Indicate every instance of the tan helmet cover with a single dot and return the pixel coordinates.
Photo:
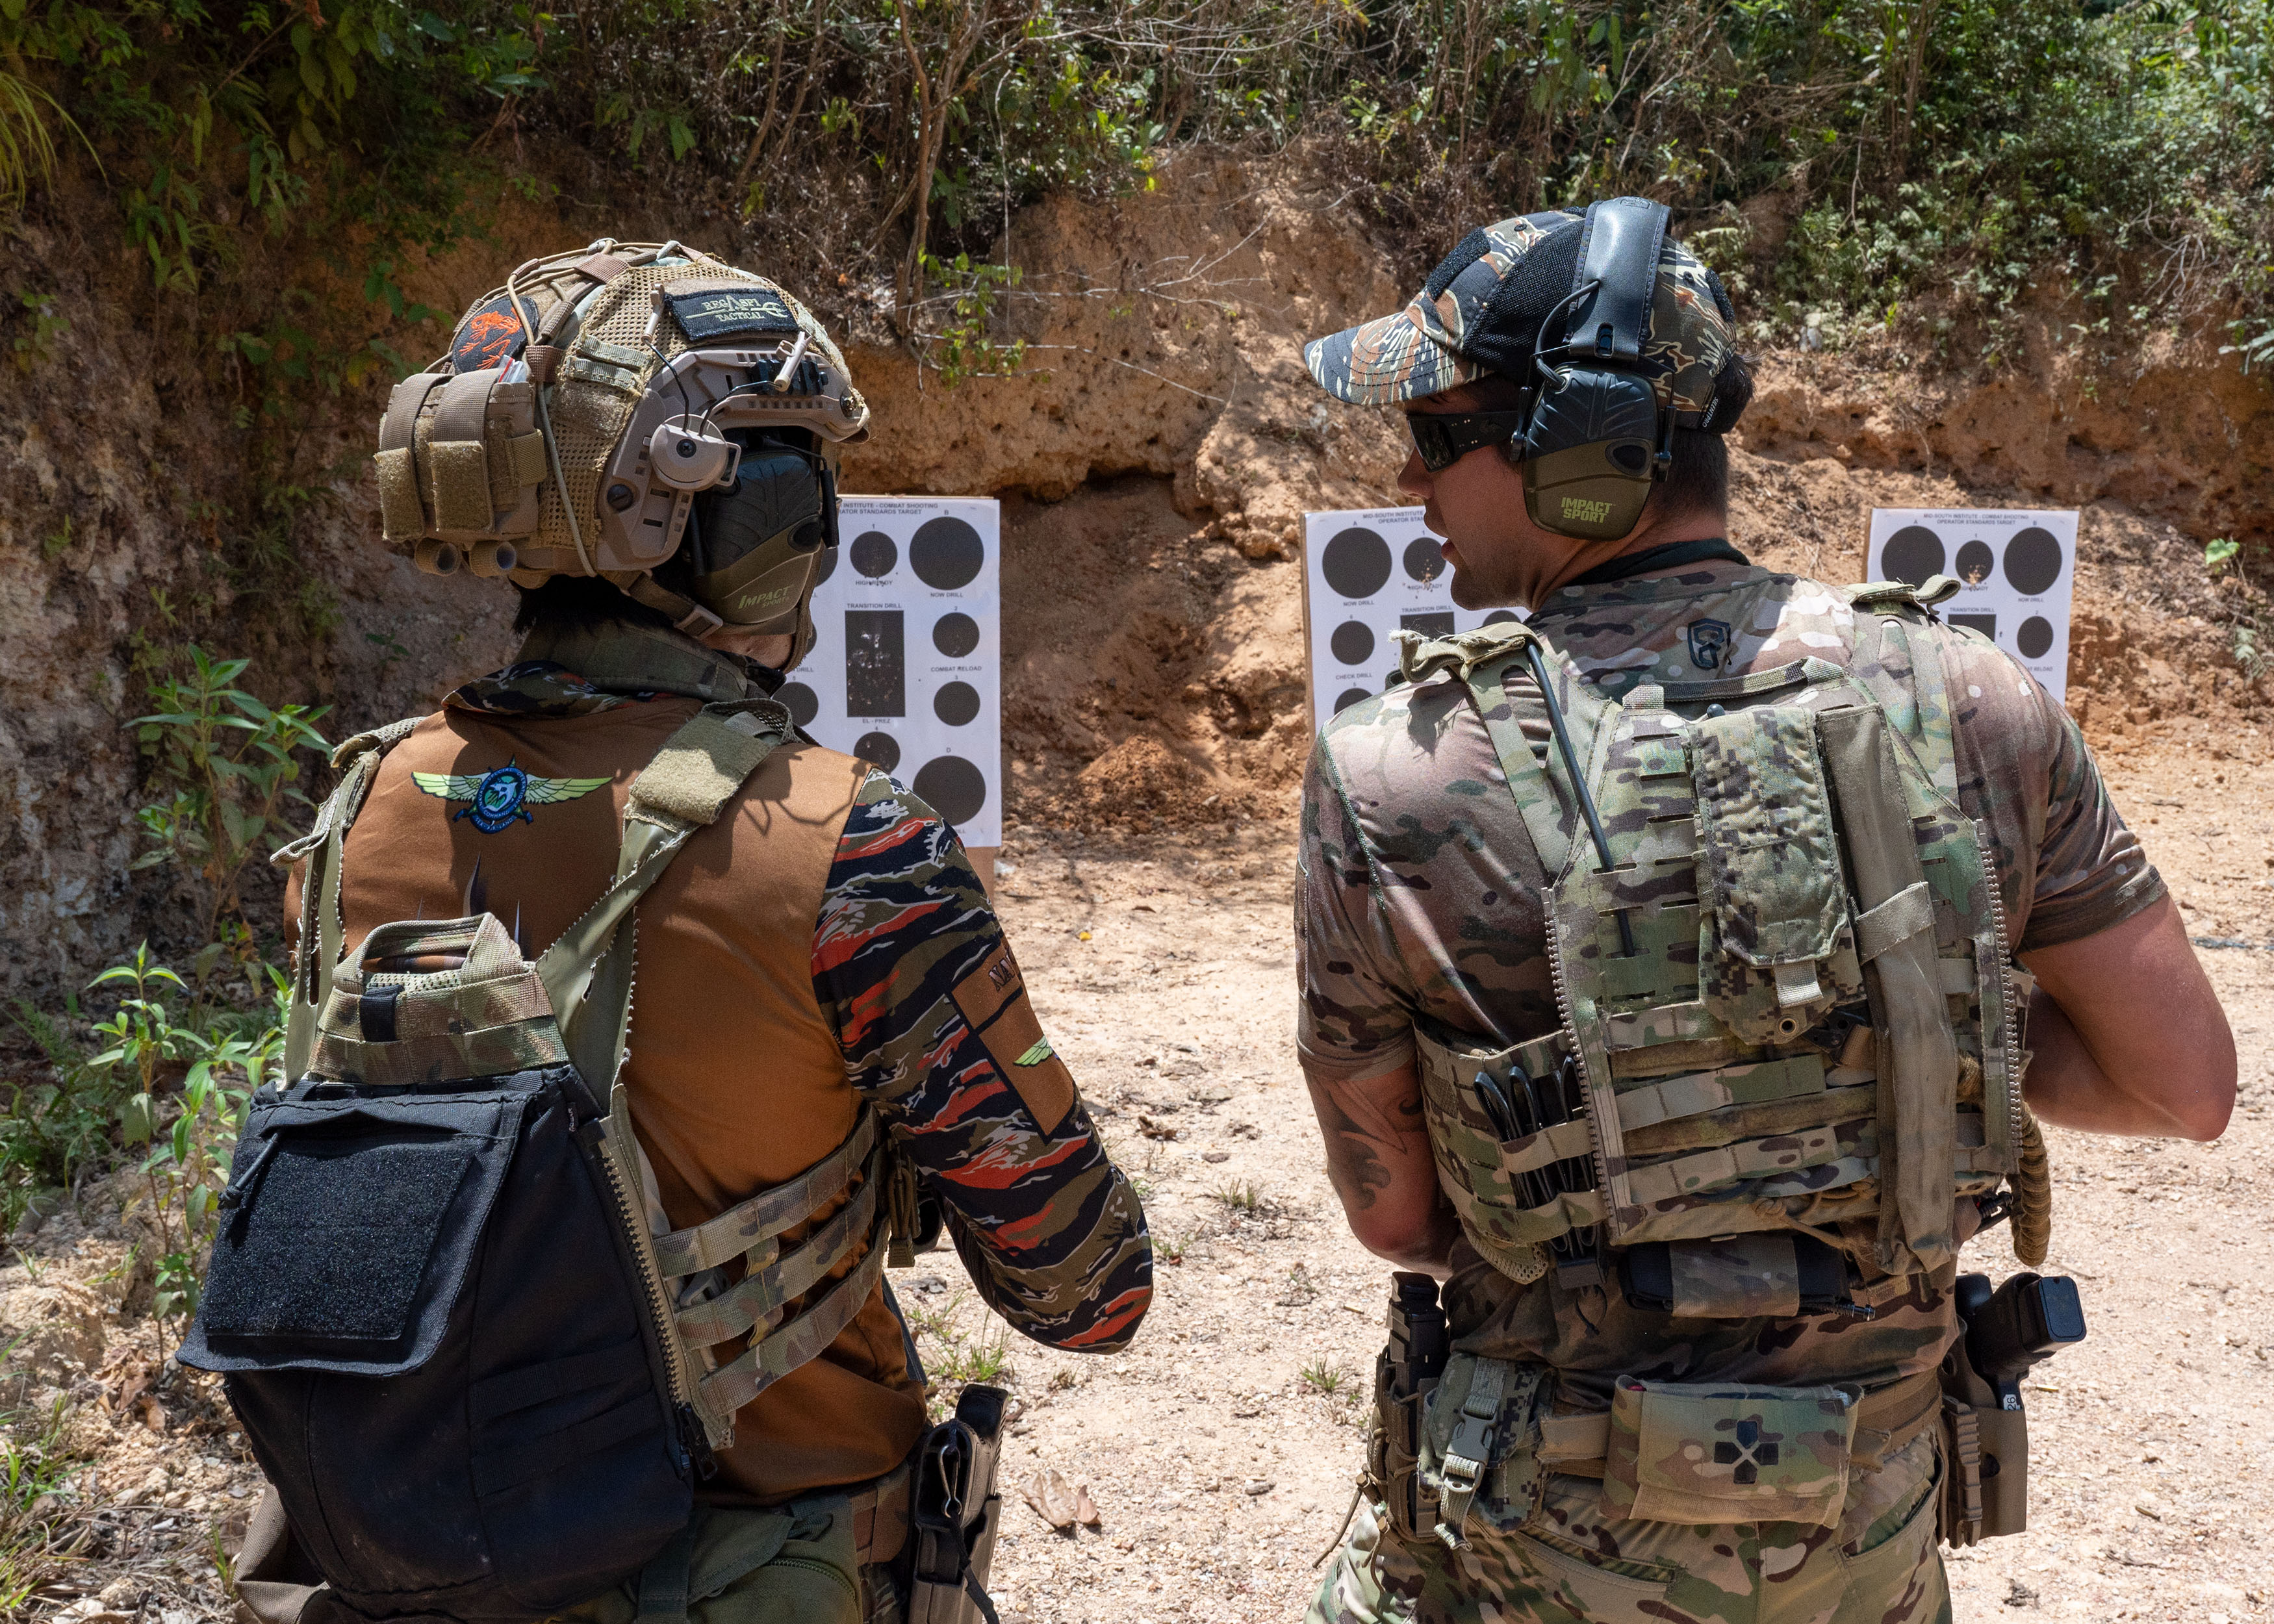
(581, 453)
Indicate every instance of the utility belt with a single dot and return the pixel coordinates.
(1455, 1432)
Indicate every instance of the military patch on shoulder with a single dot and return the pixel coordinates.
(502, 794)
(1709, 644)
(993, 999)
(489, 336)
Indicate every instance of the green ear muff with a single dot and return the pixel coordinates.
(1605, 425)
(1598, 439)
(755, 548)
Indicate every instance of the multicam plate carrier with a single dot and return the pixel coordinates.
(1815, 1032)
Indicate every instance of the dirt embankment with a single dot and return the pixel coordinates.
(1156, 456)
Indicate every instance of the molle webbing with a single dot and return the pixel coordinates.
(775, 1277)
(1782, 844)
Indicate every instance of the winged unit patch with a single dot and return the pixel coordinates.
(502, 794)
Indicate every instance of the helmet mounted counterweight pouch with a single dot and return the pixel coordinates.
(1599, 437)
(623, 380)
(464, 1354)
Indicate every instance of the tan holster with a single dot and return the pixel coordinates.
(955, 1512)
(1985, 1451)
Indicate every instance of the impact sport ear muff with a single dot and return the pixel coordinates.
(1597, 439)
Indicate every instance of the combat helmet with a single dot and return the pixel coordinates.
(643, 412)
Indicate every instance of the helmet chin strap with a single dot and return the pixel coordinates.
(686, 614)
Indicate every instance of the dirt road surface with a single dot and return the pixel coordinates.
(1220, 1447)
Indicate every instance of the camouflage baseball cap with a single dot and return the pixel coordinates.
(1481, 311)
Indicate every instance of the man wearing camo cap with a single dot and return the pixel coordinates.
(1658, 991)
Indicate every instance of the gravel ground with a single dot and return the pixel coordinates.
(1220, 1449)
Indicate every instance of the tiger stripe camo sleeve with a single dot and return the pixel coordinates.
(910, 965)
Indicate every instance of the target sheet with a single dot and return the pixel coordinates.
(2015, 565)
(907, 670)
(1368, 572)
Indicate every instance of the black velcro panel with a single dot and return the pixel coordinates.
(342, 1232)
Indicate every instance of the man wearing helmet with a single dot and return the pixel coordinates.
(1658, 993)
(644, 441)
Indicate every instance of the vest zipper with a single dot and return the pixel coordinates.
(2013, 1066)
(1580, 1057)
(679, 1382)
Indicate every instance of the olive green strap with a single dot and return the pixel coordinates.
(587, 970)
(1528, 780)
(320, 949)
(1918, 1060)
(1468, 1455)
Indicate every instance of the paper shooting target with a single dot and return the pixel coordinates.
(906, 672)
(2016, 567)
(1366, 574)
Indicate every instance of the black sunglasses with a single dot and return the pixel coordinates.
(1444, 438)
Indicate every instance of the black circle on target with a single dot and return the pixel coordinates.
(956, 703)
(2033, 560)
(955, 788)
(881, 749)
(2035, 639)
(1975, 562)
(946, 553)
(1912, 554)
(874, 554)
(1356, 563)
(1352, 643)
(803, 704)
(1424, 560)
(955, 635)
(1349, 696)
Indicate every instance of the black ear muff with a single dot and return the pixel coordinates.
(1591, 448)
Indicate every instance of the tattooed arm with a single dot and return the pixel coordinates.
(1378, 1160)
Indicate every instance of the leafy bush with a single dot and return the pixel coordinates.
(1857, 154)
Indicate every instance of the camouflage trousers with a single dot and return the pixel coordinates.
(1562, 1561)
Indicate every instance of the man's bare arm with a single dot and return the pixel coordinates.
(2127, 1036)
(1378, 1159)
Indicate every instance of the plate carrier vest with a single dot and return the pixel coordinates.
(1791, 1037)
(412, 1375)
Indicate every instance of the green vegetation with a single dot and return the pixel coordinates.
(160, 1080)
(1851, 158)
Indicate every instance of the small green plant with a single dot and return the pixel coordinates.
(36, 347)
(56, 1126)
(187, 1165)
(2219, 555)
(1169, 1248)
(35, 1465)
(57, 541)
(987, 1360)
(1325, 1379)
(926, 1320)
(144, 1039)
(226, 764)
(1240, 1197)
(390, 650)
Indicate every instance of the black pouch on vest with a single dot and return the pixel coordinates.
(1776, 1273)
(431, 1329)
